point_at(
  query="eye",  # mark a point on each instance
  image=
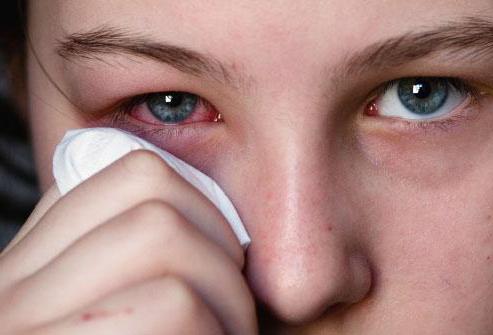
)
(171, 108)
(420, 98)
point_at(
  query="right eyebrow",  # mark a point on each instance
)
(110, 40)
(463, 39)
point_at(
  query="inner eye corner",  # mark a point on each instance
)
(371, 108)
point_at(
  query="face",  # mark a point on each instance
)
(369, 197)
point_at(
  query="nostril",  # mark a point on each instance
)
(356, 288)
(359, 280)
(336, 308)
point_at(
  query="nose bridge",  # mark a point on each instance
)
(297, 183)
(301, 261)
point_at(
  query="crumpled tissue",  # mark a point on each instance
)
(84, 152)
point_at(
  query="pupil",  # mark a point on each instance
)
(174, 100)
(422, 89)
(423, 96)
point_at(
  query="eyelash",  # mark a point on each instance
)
(121, 114)
(462, 86)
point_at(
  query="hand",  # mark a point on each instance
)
(133, 250)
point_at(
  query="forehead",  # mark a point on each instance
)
(278, 30)
(333, 23)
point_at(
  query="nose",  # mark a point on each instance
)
(306, 256)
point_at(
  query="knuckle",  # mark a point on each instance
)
(154, 210)
(186, 303)
(145, 165)
(158, 220)
(180, 291)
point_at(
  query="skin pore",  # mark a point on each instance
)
(361, 224)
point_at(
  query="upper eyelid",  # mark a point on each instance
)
(459, 83)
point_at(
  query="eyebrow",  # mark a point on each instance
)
(105, 40)
(467, 37)
(464, 38)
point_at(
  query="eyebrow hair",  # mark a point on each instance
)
(109, 40)
(470, 36)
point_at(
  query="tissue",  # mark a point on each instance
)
(84, 152)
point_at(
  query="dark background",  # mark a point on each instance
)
(18, 185)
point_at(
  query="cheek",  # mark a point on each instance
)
(50, 116)
(426, 162)
(428, 223)
(434, 247)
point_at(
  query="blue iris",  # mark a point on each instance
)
(423, 96)
(172, 107)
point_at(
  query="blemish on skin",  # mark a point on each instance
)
(330, 228)
(447, 282)
(102, 314)
(488, 258)
(88, 316)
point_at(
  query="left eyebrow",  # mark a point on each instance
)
(110, 40)
(465, 38)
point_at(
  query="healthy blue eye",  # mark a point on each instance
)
(172, 107)
(421, 98)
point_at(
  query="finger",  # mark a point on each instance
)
(148, 241)
(138, 177)
(158, 306)
(46, 202)
(11, 267)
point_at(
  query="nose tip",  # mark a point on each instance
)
(299, 290)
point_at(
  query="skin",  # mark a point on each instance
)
(359, 225)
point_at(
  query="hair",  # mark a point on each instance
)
(15, 157)
(11, 21)
(12, 54)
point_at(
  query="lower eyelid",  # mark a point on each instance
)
(163, 136)
(467, 111)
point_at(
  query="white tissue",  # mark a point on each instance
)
(84, 152)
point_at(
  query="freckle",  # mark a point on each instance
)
(488, 258)
(94, 315)
(87, 316)
(330, 228)
(488, 218)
